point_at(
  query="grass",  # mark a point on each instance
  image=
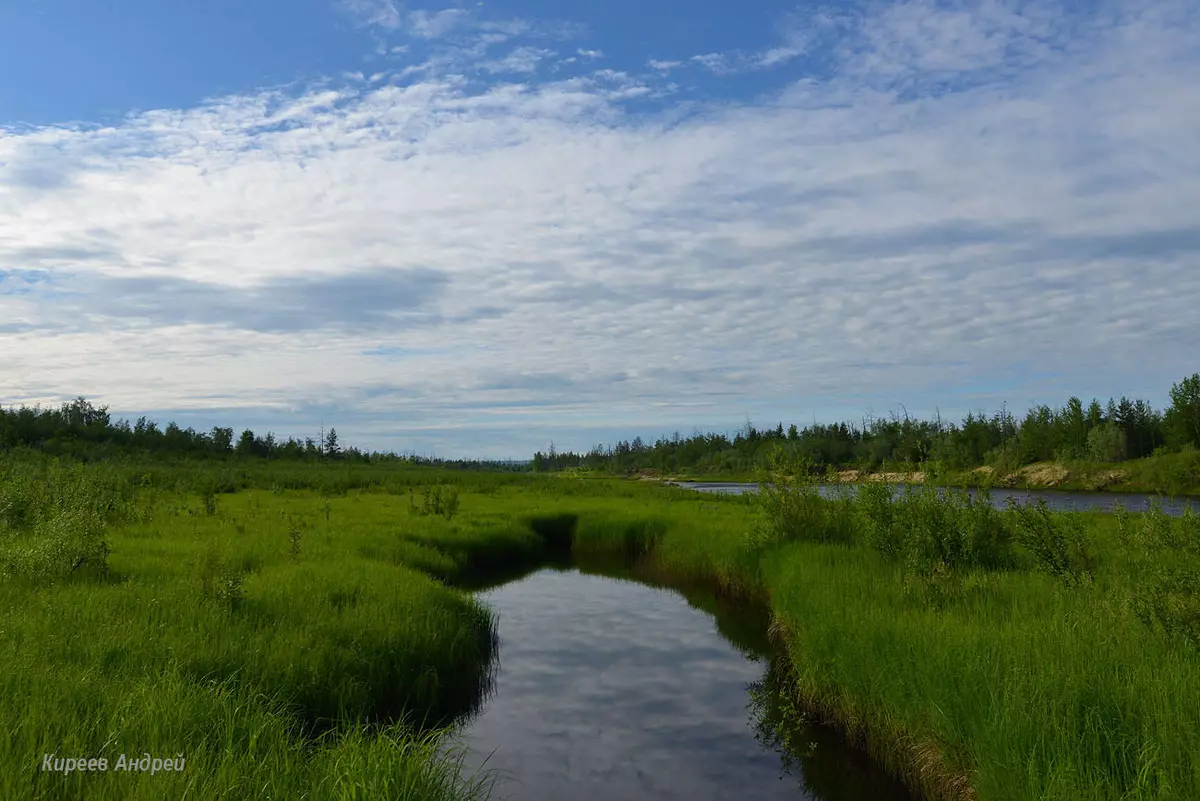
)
(1174, 474)
(304, 632)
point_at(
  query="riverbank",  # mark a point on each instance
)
(1174, 474)
(258, 631)
(986, 683)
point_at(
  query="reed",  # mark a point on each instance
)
(304, 631)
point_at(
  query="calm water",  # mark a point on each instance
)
(608, 689)
(1055, 499)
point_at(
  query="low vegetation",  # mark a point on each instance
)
(301, 630)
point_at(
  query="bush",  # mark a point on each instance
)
(879, 520)
(220, 579)
(1055, 540)
(57, 548)
(438, 499)
(791, 509)
(1166, 558)
(53, 520)
(933, 530)
(1005, 458)
(1107, 443)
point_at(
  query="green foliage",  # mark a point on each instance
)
(1006, 457)
(1166, 564)
(294, 537)
(1056, 540)
(53, 520)
(220, 579)
(332, 447)
(934, 532)
(1107, 443)
(1183, 418)
(790, 506)
(999, 441)
(881, 525)
(437, 499)
(972, 660)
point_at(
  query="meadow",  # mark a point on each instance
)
(305, 631)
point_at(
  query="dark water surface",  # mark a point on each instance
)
(612, 690)
(1060, 500)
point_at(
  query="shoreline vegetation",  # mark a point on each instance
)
(288, 627)
(1166, 474)
(1122, 446)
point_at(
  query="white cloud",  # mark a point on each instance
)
(714, 62)
(508, 28)
(664, 66)
(541, 257)
(519, 59)
(383, 13)
(433, 25)
(592, 54)
(928, 36)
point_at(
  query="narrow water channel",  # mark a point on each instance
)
(609, 689)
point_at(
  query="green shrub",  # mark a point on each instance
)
(791, 509)
(436, 499)
(1107, 443)
(220, 578)
(879, 520)
(53, 520)
(1055, 540)
(1166, 564)
(930, 529)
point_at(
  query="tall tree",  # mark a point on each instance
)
(332, 448)
(222, 438)
(245, 446)
(1184, 414)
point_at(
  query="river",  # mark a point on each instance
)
(608, 689)
(1059, 500)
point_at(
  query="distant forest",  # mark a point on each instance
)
(80, 430)
(1123, 429)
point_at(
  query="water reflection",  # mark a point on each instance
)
(803, 749)
(609, 689)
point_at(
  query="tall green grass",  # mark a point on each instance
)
(302, 631)
(234, 742)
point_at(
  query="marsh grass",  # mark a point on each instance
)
(792, 509)
(944, 637)
(237, 743)
(335, 640)
(1166, 566)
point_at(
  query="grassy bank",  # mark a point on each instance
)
(1169, 474)
(976, 653)
(298, 632)
(283, 643)
(1174, 474)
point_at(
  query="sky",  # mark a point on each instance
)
(472, 230)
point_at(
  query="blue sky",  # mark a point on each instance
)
(473, 229)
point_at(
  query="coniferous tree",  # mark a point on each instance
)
(331, 447)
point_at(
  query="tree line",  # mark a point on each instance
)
(1113, 432)
(82, 430)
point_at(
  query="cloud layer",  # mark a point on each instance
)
(936, 197)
